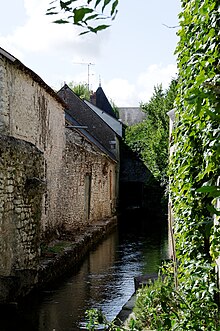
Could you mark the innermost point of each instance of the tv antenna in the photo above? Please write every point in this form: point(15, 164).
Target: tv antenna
point(88, 68)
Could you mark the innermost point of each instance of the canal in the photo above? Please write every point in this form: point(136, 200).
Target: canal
point(105, 279)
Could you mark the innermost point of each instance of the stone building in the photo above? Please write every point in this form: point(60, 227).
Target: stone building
point(99, 131)
point(52, 178)
point(86, 116)
point(89, 182)
point(131, 115)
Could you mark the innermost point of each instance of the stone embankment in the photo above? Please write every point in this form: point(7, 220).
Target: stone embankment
point(63, 256)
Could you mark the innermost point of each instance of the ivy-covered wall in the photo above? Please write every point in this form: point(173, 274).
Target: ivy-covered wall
point(195, 163)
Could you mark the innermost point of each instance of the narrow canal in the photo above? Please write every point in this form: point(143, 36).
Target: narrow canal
point(105, 279)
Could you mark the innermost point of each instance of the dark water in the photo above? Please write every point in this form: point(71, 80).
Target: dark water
point(104, 280)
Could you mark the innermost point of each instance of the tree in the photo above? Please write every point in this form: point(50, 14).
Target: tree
point(92, 11)
point(115, 108)
point(81, 90)
point(150, 137)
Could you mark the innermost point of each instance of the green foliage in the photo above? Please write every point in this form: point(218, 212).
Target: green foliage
point(150, 137)
point(84, 15)
point(115, 108)
point(194, 176)
point(81, 90)
point(195, 163)
point(155, 306)
point(160, 307)
point(96, 320)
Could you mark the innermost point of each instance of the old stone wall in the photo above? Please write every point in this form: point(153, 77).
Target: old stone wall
point(88, 184)
point(131, 115)
point(53, 180)
point(21, 191)
point(30, 111)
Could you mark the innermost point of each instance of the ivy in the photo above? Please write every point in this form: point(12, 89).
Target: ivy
point(195, 163)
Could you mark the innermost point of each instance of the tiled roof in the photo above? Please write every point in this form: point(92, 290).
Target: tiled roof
point(73, 124)
point(85, 116)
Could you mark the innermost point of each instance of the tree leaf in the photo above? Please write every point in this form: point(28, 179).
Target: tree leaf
point(97, 3)
point(106, 2)
point(61, 21)
point(213, 210)
point(213, 191)
point(91, 17)
point(52, 13)
point(49, 9)
point(79, 14)
point(84, 32)
point(99, 28)
point(114, 6)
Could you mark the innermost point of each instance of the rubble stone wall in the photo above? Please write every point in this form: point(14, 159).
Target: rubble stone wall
point(86, 166)
point(21, 191)
point(30, 111)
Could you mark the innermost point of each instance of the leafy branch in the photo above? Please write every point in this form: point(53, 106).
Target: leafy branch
point(72, 11)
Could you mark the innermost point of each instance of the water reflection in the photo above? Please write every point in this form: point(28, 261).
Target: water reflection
point(104, 280)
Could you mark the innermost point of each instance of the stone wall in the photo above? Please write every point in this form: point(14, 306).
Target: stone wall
point(131, 115)
point(88, 184)
point(53, 180)
point(21, 191)
point(31, 111)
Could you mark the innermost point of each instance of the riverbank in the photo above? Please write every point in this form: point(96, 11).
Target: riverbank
point(62, 256)
point(58, 258)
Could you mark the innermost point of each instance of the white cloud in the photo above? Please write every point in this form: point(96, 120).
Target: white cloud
point(120, 91)
point(125, 94)
point(52, 50)
point(39, 34)
point(155, 75)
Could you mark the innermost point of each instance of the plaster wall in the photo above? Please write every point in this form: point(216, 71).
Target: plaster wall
point(30, 113)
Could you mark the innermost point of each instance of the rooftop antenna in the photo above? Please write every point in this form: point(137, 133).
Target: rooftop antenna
point(100, 81)
point(88, 67)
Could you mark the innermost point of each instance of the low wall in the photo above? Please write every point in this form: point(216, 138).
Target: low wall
point(65, 255)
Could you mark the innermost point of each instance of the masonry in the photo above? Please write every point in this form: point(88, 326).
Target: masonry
point(21, 192)
point(88, 184)
point(55, 182)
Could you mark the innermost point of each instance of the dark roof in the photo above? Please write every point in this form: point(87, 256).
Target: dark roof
point(83, 132)
point(85, 116)
point(103, 103)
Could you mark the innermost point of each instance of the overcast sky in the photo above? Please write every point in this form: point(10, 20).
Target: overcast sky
point(129, 58)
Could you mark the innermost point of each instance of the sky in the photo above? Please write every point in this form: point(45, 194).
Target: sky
point(131, 57)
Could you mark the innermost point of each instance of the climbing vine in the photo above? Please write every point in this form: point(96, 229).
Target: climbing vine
point(194, 174)
point(195, 163)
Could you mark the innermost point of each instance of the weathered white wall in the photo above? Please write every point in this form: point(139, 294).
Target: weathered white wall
point(29, 111)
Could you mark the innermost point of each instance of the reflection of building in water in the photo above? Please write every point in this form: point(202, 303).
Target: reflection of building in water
point(74, 297)
point(58, 175)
